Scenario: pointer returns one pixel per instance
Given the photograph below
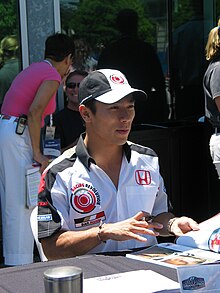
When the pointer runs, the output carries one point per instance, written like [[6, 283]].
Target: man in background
[[139, 62]]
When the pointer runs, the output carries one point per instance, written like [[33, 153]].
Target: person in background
[[9, 46], [211, 86], [138, 60], [31, 97], [106, 194], [68, 121], [189, 64], [83, 56]]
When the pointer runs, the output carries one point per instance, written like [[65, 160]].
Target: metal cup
[[66, 279]]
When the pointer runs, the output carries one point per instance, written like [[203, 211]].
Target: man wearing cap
[[106, 194]]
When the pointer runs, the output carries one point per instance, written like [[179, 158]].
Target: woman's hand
[[42, 160]]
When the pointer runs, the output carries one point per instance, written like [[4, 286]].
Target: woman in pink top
[[33, 94]]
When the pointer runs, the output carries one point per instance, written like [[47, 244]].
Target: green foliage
[[95, 20], [182, 13], [8, 17]]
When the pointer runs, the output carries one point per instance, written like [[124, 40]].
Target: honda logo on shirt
[[142, 177]]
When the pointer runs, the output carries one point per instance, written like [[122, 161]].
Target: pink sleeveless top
[[21, 94]]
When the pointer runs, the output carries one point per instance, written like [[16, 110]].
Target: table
[[29, 278]]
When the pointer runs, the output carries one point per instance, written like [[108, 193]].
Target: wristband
[[99, 232], [169, 225]]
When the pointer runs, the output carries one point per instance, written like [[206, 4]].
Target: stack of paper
[[145, 281], [33, 177]]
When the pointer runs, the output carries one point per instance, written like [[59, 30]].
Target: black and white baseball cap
[[107, 86]]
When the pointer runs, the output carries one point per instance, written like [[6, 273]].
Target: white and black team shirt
[[75, 193]]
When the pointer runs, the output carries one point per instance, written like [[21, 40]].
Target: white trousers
[[15, 154], [214, 145]]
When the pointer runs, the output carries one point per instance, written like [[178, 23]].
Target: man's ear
[[85, 113]]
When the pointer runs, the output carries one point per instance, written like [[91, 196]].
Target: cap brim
[[116, 95]]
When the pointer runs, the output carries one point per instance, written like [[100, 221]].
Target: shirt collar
[[82, 152], [86, 159]]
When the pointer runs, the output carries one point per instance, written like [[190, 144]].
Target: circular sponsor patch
[[117, 78], [83, 200], [214, 241]]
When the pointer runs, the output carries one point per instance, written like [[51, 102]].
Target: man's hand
[[183, 225], [130, 229]]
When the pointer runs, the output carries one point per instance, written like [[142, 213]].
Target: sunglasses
[[72, 85]]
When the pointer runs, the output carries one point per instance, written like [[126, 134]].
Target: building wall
[[40, 24]]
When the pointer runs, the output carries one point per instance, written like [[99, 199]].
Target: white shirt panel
[[77, 190]]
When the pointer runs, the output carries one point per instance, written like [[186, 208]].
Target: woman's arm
[[217, 102], [41, 100]]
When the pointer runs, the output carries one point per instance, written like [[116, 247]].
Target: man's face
[[72, 88], [111, 123]]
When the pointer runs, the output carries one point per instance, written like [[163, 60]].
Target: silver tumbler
[[66, 279]]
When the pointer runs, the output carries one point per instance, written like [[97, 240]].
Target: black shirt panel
[[69, 126]]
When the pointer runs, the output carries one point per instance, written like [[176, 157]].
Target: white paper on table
[[145, 281], [200, 278]]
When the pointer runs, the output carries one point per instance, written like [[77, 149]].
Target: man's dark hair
[[76, 72], [58, 46], [91, 105]]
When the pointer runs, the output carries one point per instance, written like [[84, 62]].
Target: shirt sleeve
[[50, 73], [50, 219], [162, 203], [215, 82]]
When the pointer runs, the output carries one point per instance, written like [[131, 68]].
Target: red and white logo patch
[[117, 78], [214, 241], [90, 220], [84, 198], [142, 177]]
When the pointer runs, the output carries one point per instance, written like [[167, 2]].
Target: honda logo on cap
[[142, 177], [117, 78]]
